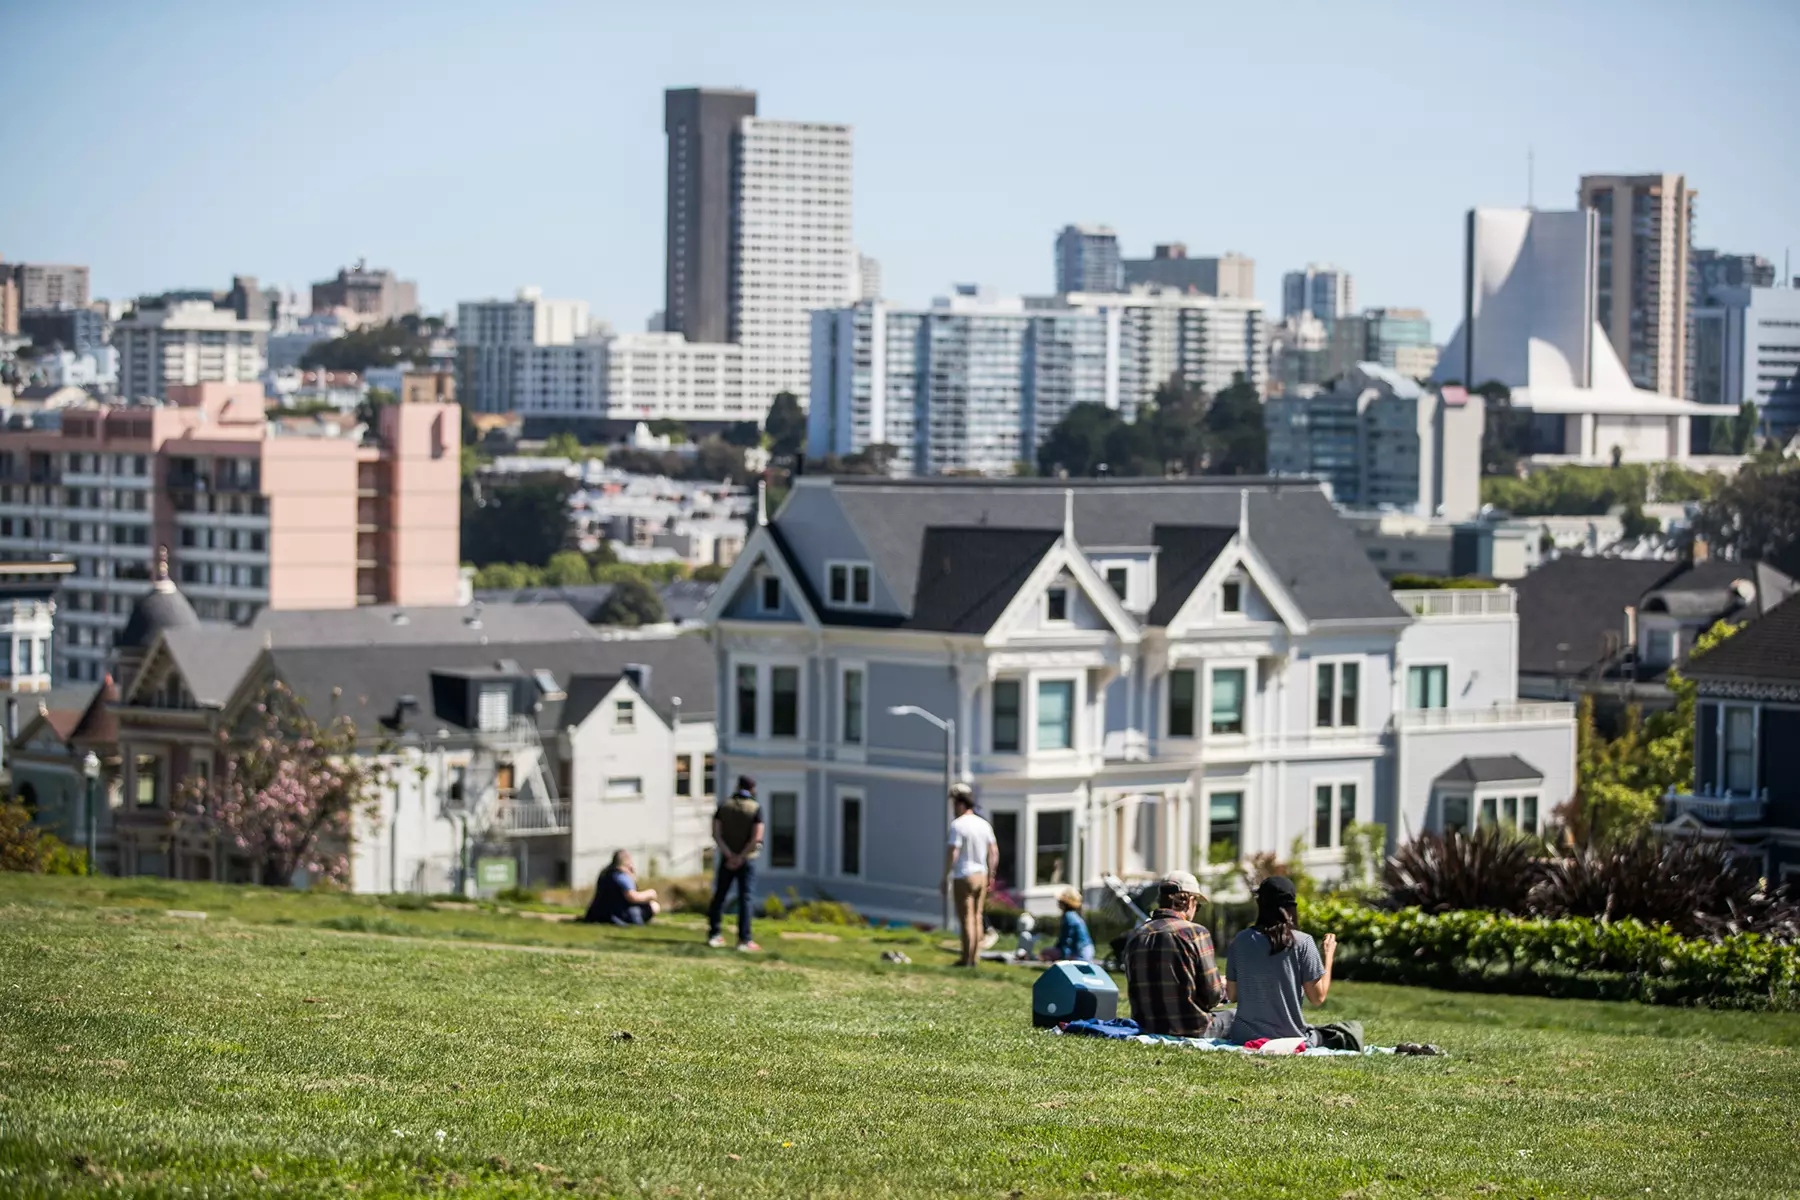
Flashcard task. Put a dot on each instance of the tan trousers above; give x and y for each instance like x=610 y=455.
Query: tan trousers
x=970 y=893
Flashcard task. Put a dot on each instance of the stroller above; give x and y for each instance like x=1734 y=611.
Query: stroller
x=1121 y=895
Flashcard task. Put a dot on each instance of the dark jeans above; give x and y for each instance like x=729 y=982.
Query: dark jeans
x=635 y=914
x=745 y=878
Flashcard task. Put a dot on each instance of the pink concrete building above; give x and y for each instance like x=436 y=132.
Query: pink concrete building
x=254 y=513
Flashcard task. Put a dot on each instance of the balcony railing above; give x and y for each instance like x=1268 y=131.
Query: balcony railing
x=1416 y=720
x=527 y=818
x=1719 y=810
x=1458 y=602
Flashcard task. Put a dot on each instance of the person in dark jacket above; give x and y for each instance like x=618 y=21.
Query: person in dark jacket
x=737 y=838
x=617 y=898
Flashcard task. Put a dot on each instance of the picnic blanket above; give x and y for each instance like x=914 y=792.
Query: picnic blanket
x=1122 y=1029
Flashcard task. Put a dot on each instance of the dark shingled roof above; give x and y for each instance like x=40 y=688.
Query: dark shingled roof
x=968 y=576
x=161 y=608
x=585 y=694
x=1291 y=524
x=1185 y=553
x=1498 y=768
x=1768 y=648
x=1568 y=606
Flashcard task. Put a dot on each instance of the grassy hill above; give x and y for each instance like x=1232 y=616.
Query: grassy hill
x=327 y=1045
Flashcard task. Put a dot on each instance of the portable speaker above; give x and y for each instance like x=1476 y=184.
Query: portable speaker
x=1073 y=991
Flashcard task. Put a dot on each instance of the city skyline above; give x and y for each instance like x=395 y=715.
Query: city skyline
x=952 y=185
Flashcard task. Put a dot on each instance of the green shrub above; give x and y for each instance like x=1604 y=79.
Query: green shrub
x=25 y=847
x=821 y=911
x=519 y=895
x=405 y=901
x=1569 y=956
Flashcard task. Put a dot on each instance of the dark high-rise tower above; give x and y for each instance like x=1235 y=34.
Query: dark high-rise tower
x=702 y=124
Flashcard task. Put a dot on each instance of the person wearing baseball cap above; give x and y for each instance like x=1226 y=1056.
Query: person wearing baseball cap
x=1170 y=972
x=1274 y=966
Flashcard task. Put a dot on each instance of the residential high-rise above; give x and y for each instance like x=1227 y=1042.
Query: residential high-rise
x=759 y=232
x=47 y=285
x=492 y=335
x=1709 y=269
x=868 y=277
x=184 y=342
x=1087 y=259
x=253 y=515
x=975 y=383
x=1321 y=289
x=702 y=125
x=360 y=296
x=1232 y=276
x=1641 y=283
x=1746 y=345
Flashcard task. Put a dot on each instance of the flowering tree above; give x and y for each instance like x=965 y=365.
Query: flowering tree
x=290 y=790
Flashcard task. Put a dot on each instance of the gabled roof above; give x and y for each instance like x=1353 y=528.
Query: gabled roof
x=968 y=576
x=1569 y=606
x=99 y=724
x=1497 y=768
x=212 y=659
x=1768 y=648
x=1184 y=554
x=1290 y=522
x=585 y=694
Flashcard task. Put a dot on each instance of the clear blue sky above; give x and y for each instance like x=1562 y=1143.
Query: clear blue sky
x=477 y=147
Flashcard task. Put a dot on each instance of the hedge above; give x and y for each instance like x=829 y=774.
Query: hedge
x=1568 y=956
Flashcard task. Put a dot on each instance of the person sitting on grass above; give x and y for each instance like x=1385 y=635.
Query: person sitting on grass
x=1170 y=972
x=1073 y=941
x=1273 y=966
x=617 y=898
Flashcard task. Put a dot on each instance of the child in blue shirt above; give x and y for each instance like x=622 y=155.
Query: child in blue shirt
x=1073 y=941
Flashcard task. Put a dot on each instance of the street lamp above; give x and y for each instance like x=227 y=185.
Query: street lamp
x=949 y=728
x=90 y=767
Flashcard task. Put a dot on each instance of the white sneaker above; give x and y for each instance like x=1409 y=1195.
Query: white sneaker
x=716 y=941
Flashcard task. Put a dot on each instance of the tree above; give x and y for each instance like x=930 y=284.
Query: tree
x=368 y=412
x=1237 y=439
x=786 y=426
x=1633 y=522
x=631 y=603
x=507 y=577
x=25 y=847
x=1506 y=435
x=743 y=433
x=710 y=572
x=1177 y=422
x=385 y=345
x=290 y=792
x=527 y=521
x=564 y=445
x=1756 y=515
x=1736 y=434
x=1077 y=443
x=568 y=568
x=675 y=431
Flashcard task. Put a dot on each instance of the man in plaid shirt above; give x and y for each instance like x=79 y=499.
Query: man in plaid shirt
x=1170 y=971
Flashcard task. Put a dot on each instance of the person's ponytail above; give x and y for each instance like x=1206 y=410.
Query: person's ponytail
x=1276 y=921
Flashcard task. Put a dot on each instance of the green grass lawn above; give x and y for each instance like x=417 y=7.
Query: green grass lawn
x=296 y=1044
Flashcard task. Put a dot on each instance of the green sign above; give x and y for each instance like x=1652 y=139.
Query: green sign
x=495 y=874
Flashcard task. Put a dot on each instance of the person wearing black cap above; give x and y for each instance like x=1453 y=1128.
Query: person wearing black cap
x=737 y=836
x=1272 y=965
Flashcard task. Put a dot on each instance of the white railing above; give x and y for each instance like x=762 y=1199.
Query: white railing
x=1458 y=602
x=1414 y=720
x=1720 y=810
x=519 y=819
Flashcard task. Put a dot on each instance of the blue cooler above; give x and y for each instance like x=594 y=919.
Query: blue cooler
x=1073 y=991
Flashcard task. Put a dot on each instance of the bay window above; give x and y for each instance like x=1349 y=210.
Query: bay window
x=1006 y=716
x=1056 y=714
x=1181 y=704
x=1227 y=700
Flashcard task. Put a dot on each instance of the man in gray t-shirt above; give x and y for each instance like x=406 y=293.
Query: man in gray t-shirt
x=1269 y=984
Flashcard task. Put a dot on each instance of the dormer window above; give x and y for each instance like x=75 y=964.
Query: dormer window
x=1116 y=579
x=771 y=593
x=493 y=709
x=847 y=585
x=1056 y=604
x=1231 y=596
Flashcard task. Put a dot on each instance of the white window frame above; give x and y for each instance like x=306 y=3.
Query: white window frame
x=850 y=566
x=845 y=794
x=1202 y=823
x=1445 y=793
x=765 y=698
x=1028 y=736
x=1337 y=662
x=608 y=792
x=1203 y=718
x=1498 y=793
x=1336 y=783
x=797 y=787
x=1241 y=581
x=845 y=670
x=482 y=692
x=1066 y=589
x=1406 y=681
x=625 y=713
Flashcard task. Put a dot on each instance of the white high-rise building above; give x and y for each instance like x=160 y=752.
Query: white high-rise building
x=791 y=247
x=868 y=277
x=186 y=342
x=1321 y=289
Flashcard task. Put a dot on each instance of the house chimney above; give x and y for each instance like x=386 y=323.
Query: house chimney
x=1631 y=625
x=1702 y=552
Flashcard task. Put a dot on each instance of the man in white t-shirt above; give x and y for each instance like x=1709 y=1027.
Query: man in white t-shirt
x=969 y=865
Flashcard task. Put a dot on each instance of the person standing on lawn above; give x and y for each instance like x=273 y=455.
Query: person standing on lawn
x=971 y=861
x=737 y=837
x=1170 y=972
x=1273 y=966
x=617 y=898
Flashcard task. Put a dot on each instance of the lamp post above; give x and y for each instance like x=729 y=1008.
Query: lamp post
x=949 y=728
x=90 y=767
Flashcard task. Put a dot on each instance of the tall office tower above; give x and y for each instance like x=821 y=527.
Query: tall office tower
x=1087 y=259
x=1232 y=276
x=186 y=342
x=1709 y=269
x=702 y=125
x=1321 y=289
x=1641 y=289
x=791 y=248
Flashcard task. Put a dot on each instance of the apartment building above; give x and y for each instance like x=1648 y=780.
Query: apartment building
x=1141 y=675
x=1232 y=276
x=1325 y=291
x=243 y=513
x=361 y=296
x=181 y=343
x=497 y=367
x=1645 y=239
x=1087 y=259
x=1746 y=344
x=26 y=286
x=976 y=382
